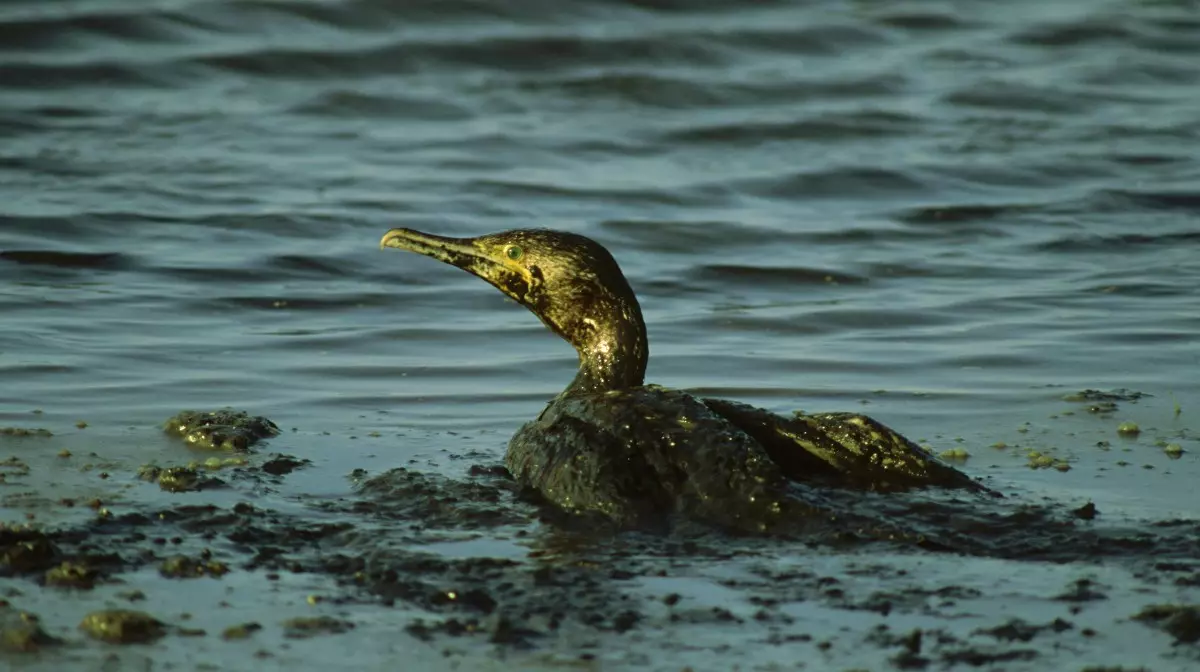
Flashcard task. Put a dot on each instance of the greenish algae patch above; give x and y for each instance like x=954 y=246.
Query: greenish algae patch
x=183 y=567
x=21 y=632
x=13 y=466
x=179 y=479
x=226 y=429
x=1181 y=621
x=176 y=479
x=311 y=626
x=240 y=631
x=24 y=549
x=1038 y=460
x=957 y=454
x=1129 y=429
x=188 y=478
x=72 y=575
x=37 y=432
x=1100 y=395
x=218 y=463
x=122 y=626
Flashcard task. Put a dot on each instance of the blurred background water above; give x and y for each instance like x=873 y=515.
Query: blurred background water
x=976 y=207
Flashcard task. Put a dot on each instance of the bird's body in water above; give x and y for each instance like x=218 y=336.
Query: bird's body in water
x=640 y=454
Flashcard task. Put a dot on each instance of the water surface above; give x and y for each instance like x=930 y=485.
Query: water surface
x=947 y=214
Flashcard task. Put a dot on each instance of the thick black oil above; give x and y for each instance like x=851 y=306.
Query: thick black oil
x=974 y=222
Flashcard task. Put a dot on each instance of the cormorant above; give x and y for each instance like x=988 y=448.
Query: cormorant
x=639 y=454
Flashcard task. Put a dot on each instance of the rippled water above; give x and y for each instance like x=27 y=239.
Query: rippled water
x=975 y=207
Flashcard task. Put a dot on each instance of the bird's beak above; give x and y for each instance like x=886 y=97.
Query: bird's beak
x=465 y=253
x=460 y=252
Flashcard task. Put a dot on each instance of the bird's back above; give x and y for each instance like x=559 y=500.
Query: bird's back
x=639 y=455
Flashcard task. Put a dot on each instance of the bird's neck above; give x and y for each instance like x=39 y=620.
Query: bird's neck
x=614 y=355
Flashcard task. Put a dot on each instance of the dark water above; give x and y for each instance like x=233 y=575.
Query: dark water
x=975 y=207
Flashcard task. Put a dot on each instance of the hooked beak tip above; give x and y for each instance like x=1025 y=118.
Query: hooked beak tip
x=390 y=239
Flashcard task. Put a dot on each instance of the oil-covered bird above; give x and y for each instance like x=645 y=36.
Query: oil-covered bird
x=642 y=454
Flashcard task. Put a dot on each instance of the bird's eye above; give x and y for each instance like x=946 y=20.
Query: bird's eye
x=514 y=252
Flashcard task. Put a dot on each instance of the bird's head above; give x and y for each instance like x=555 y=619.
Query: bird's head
x=569 y=281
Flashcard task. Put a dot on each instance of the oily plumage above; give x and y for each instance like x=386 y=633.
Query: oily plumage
x=639 y=454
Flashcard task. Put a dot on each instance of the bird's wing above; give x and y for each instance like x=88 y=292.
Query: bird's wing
x=640 y=455
x=843 y=448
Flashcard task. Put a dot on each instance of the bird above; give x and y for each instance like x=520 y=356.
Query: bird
x=614 y=449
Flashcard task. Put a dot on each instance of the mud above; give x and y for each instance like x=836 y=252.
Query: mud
x=478 y=569
x=1181 y=621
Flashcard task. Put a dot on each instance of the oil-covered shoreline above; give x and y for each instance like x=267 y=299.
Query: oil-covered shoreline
x=392 y=550
x=972 y=222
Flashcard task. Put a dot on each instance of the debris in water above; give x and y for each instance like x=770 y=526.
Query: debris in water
x=122 y=626
x=221 y=430
x=1128 y=429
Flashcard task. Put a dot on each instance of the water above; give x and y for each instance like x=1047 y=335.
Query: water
x=948 y=214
